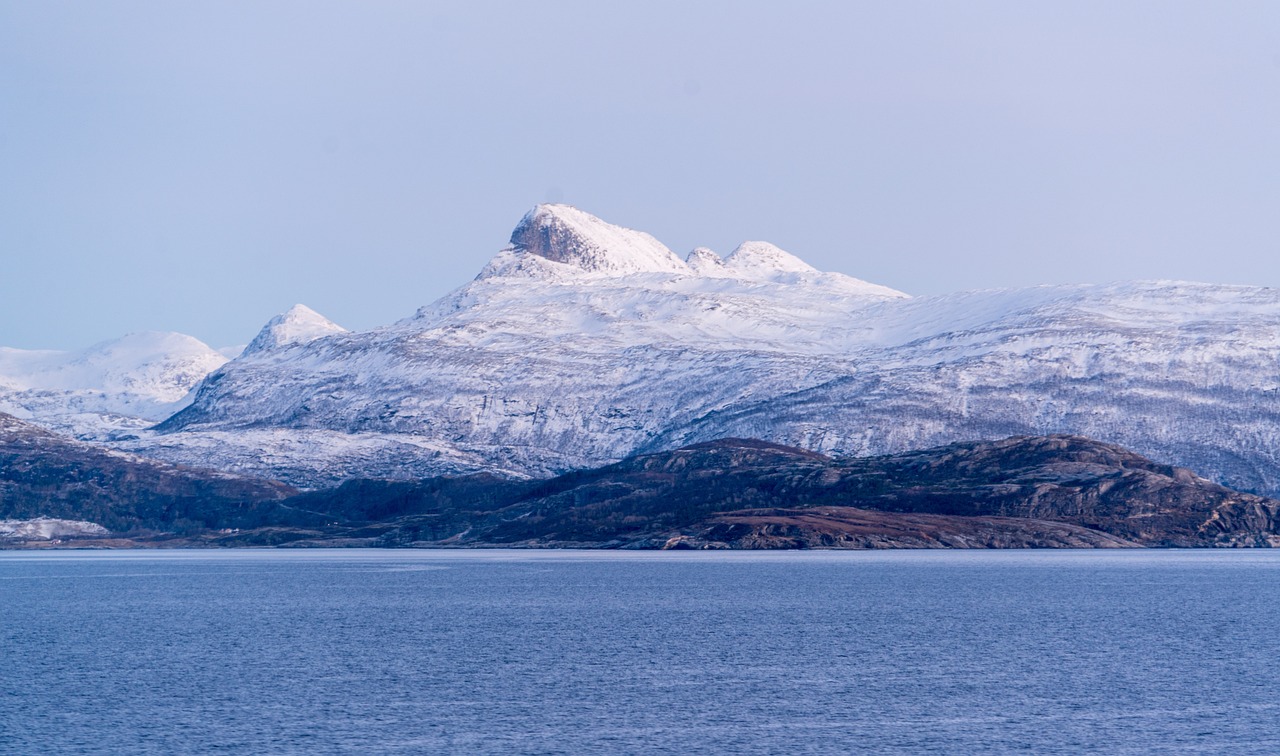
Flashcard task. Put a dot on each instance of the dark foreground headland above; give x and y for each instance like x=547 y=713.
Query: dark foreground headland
x=1022 y=492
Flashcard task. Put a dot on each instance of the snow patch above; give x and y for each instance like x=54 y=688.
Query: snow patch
x=47 y=529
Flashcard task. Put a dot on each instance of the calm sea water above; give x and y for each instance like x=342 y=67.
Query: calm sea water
x=318 y=652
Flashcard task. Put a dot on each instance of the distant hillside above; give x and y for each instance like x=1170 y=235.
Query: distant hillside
x=1020 y=492
x=1055 y=491
x=46 y=475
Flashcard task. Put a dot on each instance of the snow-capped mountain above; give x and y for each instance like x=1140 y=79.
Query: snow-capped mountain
x=123 y=385
x=583 y=342
x=297 y=325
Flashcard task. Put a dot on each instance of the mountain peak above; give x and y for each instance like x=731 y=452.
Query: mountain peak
x=297 y=325
x=145 y=346
x=758 y=258
x=565 y=234
x=703 y=261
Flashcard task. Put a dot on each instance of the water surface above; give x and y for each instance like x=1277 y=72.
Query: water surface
x=343 y=651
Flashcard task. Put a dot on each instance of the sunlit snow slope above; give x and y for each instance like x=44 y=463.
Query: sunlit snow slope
x=110 y=388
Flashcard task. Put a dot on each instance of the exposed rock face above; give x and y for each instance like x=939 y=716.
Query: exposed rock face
x=567 y=235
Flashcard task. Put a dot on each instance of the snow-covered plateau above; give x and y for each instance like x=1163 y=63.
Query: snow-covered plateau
x=584 y=342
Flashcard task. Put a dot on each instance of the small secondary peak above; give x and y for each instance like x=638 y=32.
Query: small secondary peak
x=759 y=258
x=567 y=235
x=704 y=261
x=297 y=325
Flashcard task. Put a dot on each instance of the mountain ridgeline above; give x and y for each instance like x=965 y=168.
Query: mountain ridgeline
x=582 y=344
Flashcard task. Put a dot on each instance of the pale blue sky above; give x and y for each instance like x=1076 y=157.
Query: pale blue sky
x=200 y=166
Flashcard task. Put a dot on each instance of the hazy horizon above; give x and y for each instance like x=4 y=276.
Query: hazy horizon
x=200 y=168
